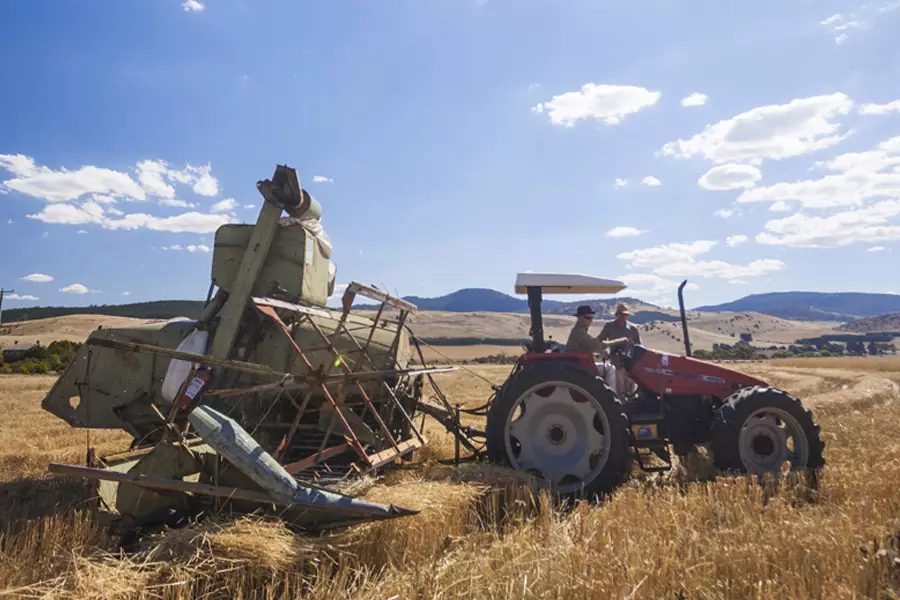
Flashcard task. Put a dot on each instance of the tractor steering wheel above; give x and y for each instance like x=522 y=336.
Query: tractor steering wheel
x=624 y=351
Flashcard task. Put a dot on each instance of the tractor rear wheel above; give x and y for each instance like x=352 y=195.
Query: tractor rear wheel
x=764 y=430
x=563 y=424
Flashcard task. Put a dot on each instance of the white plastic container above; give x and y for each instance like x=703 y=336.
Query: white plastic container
x=178 y=370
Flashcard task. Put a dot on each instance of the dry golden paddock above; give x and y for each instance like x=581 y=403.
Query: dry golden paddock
x=680 y=535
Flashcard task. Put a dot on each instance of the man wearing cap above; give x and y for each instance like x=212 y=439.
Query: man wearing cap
x=621 y=328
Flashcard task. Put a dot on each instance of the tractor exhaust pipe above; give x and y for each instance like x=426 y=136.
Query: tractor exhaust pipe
x=684 y=327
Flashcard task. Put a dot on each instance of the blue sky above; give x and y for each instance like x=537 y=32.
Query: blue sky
x=744 y=146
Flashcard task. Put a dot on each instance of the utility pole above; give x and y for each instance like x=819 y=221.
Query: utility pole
x=2 y=291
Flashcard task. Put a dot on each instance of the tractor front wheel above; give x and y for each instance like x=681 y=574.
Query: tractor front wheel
x=764 y=430
x=563 y=424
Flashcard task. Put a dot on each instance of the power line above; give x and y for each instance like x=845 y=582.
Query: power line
x=2 y=292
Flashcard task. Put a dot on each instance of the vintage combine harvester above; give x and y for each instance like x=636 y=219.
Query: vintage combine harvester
x=271 y=400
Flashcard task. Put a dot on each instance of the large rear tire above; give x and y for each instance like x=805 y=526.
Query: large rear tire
x=563 y=424
x=764 y=430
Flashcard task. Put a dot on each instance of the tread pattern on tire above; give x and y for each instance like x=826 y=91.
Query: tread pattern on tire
x=736 y=409
x=620 y=457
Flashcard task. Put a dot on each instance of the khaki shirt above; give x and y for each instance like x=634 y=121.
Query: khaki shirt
x=612 y=330
x=581 y=341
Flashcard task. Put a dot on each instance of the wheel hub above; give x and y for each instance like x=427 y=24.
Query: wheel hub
x=772 y=441
x=558 y=431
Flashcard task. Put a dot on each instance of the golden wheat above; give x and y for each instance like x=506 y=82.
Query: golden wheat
x=486 y=532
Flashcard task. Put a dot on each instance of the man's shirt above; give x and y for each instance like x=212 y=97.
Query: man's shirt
x=581 y=341
x=612 y=330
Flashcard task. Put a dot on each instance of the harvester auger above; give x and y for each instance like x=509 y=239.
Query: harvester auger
x=269 y=401
x=557 y=416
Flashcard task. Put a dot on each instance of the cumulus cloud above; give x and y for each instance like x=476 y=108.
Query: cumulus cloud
x=880 y=109
x=126 y=293
x=651 y=181
x=38 y=278
x=876 y=249
x=869 y=224
x=723 y=213
x=206 y=184
x=150 y=176
x=730 y=177
x=75 y=288
x=621 y=182
x=608 y=103
x=322 y=179
x=769 y=132
x=176 y=203
x=736 y=240
x=249 y=206
x=839 y=25
x=226 y=205
x=680 y=260
x=20 y=297
x=192 y=6
x=92 y=213
x=81 y=232
x=653 y=288
x=855 y=178
x=202 y=248
x=65 y=185
x=625 y=232
x=695 y=99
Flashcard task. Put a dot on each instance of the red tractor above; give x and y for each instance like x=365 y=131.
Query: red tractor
x=557 y=417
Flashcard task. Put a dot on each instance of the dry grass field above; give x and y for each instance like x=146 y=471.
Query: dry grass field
x=678 y=535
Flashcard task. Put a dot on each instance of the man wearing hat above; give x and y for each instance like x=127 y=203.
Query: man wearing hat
x=581 y=341
x=621 y=328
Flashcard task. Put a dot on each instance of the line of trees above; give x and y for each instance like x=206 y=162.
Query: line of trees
x=43 y=359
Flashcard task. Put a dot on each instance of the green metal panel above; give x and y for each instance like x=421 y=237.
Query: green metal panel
x=294 y=262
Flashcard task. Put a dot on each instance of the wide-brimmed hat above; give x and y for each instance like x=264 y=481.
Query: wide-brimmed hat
x=585 y=310
x=621 y=309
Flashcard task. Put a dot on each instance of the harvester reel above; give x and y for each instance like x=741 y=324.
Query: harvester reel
x=562 y=424
x=763 y=430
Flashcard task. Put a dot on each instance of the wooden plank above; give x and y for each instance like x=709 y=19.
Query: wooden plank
x=306 y=310
x=237 y=365
x=376 y=294
x=296 y=467
x=386 y=456
x=251 y=265
x=162 y=483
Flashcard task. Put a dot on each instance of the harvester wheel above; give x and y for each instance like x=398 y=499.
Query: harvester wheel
x=563 y=424
x=764 y=430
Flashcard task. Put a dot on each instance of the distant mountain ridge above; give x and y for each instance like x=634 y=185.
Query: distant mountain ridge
x=488 y=300
x=812 y=306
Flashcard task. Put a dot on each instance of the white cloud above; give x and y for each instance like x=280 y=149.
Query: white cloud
x=730 y=177
x=38 y=278
x=621 y=182
x=838 y=24
x=20 y=297
x=126 y=293
x=192 y=6
x=780 y=206
x=91 y=212
x=103 y=199
x=202 y=248
x=836 y=18
x=607 y=103
x=651 y=181
x=249 y=206
x=680 y=260
x=856 y=177
x=876 y=249
x=625 y=232
x=150 y=176
x=75 y=288
x=880 y=109
x=82 y=231
x=653 y=288
x=9 y=221
x=736 y=240
x=64 y=185
x=723 y=213
x=769 y=132
x=177 y=203
x=870 y=224
x=226 y=205
x=322 y=179
x=737 y=282
x=206 y=185
x=695 y=99
x=841 y=38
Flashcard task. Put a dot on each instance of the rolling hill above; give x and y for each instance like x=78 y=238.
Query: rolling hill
x=812 y=306
x=878 y=323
